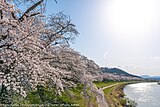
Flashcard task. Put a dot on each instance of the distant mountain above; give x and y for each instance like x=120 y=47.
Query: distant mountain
x=156 y=77
x=150 y=77
x=145 y=76
x=117 y=71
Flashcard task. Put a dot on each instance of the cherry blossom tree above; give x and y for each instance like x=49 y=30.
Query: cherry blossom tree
x=34 y=52
x=21 y=49
x=74 y=66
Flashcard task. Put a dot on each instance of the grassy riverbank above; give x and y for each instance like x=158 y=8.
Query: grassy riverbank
x=114 y=95
x=104 y=84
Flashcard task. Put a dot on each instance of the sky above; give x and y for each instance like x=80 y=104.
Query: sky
x=116 y=33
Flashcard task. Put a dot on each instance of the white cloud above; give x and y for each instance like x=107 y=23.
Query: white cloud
x=105 y=54
x=155 y=57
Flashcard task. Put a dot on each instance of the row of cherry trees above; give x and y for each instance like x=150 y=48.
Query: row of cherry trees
x=35 y=51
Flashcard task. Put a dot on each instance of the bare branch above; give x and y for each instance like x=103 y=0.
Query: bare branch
x=30 y=9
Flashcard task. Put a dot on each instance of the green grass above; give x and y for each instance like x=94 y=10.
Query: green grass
x=69 y=96
x=114 y=95
x=103 y=84
x=107 y=91
x=108 y=95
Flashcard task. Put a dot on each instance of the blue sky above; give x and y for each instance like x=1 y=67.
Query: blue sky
x=116 y=33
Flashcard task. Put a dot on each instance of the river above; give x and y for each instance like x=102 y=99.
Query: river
x=145 y=94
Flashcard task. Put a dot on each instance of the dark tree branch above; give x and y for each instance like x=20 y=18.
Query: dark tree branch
x=13 y=15
x=56 y=1
x=5 y=45
x=34 y=14
x=1 y=14
x=30 y=9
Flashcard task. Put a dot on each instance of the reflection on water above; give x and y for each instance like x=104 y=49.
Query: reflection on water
x=145 y=94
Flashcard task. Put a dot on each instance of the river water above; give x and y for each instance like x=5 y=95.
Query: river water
x=145 y=94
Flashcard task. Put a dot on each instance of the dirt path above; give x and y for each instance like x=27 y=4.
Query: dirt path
x=101 y=97
x=109 y=86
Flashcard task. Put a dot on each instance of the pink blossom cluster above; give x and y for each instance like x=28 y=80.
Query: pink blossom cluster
x=28 y=57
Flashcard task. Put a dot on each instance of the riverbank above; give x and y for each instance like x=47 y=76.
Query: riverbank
x=113 y=91
x=121 y=97
x=114 y=94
